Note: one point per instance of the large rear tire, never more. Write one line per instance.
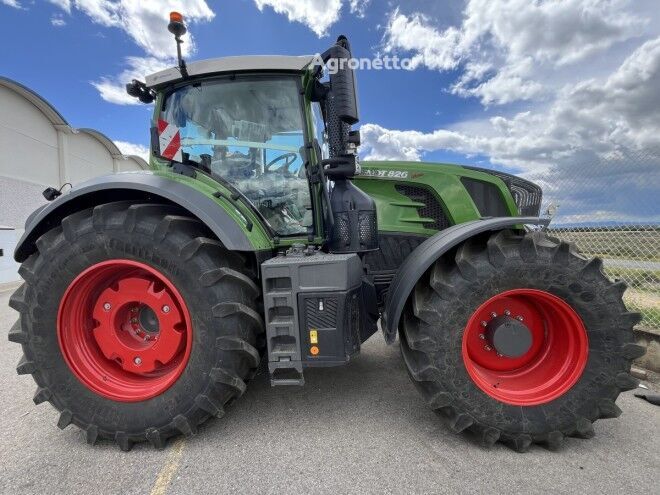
(135, 323)
(564, 373)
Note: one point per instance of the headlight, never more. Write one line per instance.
(526, 194)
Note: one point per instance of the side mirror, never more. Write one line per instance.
(139, 90)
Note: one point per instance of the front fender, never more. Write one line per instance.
(427, 253)
(138, 185)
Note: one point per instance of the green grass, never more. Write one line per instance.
(625, 244)
(643, 280)
(634, 244)
(651, 316)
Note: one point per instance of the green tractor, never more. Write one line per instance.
(151, 298)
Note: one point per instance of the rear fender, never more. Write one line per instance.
(427, 253)
(138, 186)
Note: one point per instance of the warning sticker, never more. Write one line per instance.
(169, 139)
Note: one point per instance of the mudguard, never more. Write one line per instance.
(138, 185)
(421, 259)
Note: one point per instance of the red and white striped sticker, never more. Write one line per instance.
(169, 139)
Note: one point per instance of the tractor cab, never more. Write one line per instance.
(248, 131)
(274, 131)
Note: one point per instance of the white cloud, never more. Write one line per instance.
(318, 15)
(57, 20)
(133, 149)
(63, 4)
(501, 45)
(145, 21)
(11, 3)
(602, 116)
(359, 7)
(113, 89)
(594, 148)
(429, 47)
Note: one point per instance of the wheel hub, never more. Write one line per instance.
(148, 320)
(124, 330)
(509, 336)
(129, 333)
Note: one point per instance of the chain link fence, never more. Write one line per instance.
(610, 207)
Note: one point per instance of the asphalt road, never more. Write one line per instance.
(357, 429)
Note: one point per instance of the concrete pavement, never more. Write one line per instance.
(357, 429)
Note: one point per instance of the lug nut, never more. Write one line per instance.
(134, 320)
(488, 348)
(482, 336)
(507, 312)
(107, 306)
(493, 314)
(484, 324)
(166, 309)
(137, 361)
(519, 318)
(499, 355)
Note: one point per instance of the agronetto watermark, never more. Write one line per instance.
(387, 62)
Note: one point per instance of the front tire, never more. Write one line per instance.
(135, 323)
(576, 334)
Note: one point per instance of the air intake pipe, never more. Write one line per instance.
(355, 228)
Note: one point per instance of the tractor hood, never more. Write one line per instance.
(516, 193)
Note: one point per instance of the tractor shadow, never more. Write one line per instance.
(373, 390)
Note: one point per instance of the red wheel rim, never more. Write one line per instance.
(124, 330)
(556, 352)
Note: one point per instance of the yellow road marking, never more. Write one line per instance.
(168, 470)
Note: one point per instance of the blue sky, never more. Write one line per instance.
(80, 52)
(530, 87)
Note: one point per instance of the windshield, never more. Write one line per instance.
(248, 132)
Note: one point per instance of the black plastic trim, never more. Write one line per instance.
(427, 253)
(133, 186)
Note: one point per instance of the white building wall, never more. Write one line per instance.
(38, 149)
(28, 140)
(8, 268)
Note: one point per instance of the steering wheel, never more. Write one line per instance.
(289, 159)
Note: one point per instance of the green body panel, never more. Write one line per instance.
(259, 237)
(398, 213)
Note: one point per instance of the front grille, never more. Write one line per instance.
(432, 208)
(527, 195)
(487, 197)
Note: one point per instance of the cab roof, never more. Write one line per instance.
(254, 63)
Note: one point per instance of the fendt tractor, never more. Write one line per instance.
(151, 298)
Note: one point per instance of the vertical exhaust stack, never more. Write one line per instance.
(355, 228)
